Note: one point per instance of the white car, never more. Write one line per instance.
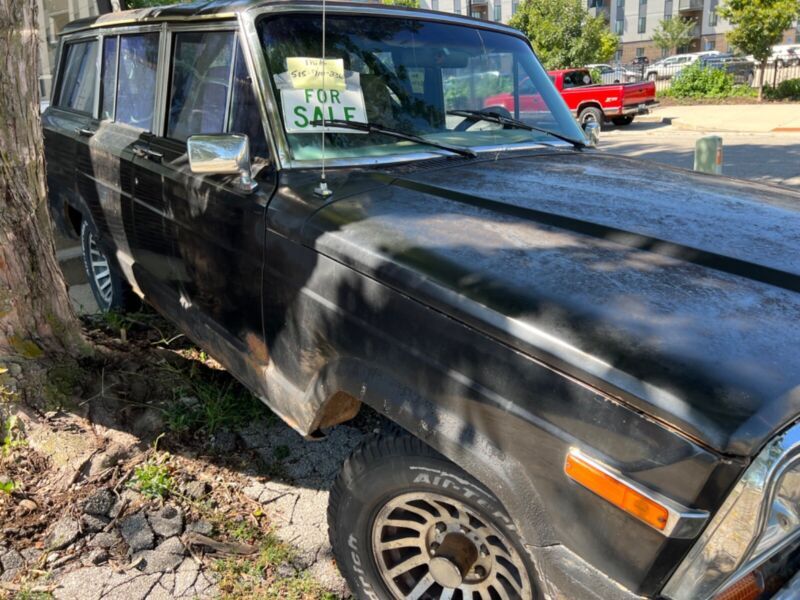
(666, 68)
(618, 74)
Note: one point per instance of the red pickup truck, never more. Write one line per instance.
(618, 102)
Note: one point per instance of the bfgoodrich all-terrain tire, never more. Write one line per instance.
(109, 288)
(406, 523)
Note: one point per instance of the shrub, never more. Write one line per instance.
(785, 90)
(697, 81)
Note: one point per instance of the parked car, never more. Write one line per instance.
(787, 55)
(669, 67)
(742, 69)
(618, 74)
(588, 364)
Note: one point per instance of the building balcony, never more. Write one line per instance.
(687, 6)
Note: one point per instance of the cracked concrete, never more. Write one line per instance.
(297, 508)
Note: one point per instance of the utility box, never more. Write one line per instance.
(708, 155)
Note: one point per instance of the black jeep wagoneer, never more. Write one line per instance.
(594, 367)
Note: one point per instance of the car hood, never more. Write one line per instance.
(676, 292)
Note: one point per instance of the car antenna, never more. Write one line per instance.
(322, 189)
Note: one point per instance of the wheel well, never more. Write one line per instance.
(75, 218)
(583, 107)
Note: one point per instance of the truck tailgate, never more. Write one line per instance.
(638, 93)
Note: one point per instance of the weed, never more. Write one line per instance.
(154, 478)
(270, 574)
(7, 486)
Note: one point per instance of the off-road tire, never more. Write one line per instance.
(110, 290)
(622, 121)
(390, 468)
(591, 114)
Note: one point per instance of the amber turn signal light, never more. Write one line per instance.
(749, 587)
(605, 484)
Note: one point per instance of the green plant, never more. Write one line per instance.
(7, 486)
(564, 34)
(408, 3)
(697, 81)
(597, 76)
(153, 480)
(785, 90)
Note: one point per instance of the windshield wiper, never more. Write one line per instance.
(372, 128)
(492, 117)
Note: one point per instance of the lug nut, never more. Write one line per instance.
(434, 547)
(440, 528)
(484, 551)
(464, 529)
(480, 571)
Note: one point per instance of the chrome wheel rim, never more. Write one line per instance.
(430, 546)
(100, 270)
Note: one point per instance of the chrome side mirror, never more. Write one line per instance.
(222, 154)
(592, 132)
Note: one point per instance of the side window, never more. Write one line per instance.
(108, 78)
(136, 88)
(80, 77)
(244, 116)
(201, 76)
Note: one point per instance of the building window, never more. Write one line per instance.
(642, 24)
(620, 5)
(642, 2)
(514, 7)
(711, 45)
(639, 52)
(619, 27)
(712, 14)
(618, 55)
(457, 6)
(434, 4)
(667, 10)
(664, 52)
(498, 11)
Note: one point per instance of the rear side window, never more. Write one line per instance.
(201, 83)
(80, 76)
(108, 79)
(136, 89)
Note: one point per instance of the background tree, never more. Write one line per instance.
(408, 3)
(757, 26)
(674, 33)
(36, 317)
(564, 34)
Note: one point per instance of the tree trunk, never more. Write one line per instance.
(36, 317)
(761, 80)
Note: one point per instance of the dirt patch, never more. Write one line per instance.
(150, 472)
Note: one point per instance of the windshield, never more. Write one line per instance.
(405, 74)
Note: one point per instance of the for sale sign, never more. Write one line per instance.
(302, 107)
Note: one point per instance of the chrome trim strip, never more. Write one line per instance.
(722, 554)
(682, 522)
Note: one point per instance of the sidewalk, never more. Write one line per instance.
(743, 118)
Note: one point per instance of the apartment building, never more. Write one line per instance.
(489, 10)
(635, 21)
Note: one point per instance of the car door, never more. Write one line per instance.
(126, 109)
(70, 120)
(214, 230)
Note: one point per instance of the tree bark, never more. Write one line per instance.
(36, 317)
(761, 80)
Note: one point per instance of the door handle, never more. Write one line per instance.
(85, 132)
(143, 152)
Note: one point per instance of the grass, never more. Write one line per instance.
(269, 574)
(221, 403)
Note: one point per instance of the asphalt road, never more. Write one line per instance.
(767, 157)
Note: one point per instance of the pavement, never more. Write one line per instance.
(739, 118)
